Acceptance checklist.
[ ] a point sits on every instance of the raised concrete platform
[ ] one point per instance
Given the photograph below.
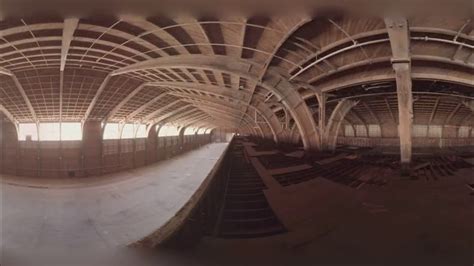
(46, 217)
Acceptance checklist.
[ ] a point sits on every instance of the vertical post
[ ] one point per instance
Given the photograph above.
(322, 97)
(405, 113)
(399, 35)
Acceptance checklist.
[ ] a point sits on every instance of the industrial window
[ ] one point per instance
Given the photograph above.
(71, 131)
(110, 147)
(435, 131)
(348, 131)
(464, 132)
(27, 131)
(420, 131)
(49, 131)
(208, 131)
(201, 131)
(126, 146)
(161, 142)
(128, 131)
(141, 131)
(166, 131)
(111, 131)
(189, 131)
(375, 131)
(361, 131)
(140, 144)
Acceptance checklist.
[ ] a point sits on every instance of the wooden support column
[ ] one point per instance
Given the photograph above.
(322, 97)
(399, 35)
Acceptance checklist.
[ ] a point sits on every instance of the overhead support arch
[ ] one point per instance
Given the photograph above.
(216, 112)
(217, 107)
(239, 97)
(144, 107)
(257, 106)
(70, 26)
(168, 115)
(8, 115)
(181, 115)
(288, 95)
(25, 97)
(96, 97)
(469, 104)
(6, 72)
(322, 98)
(160, 110)
(124, 101)
(294, 26)
(331, 131)
(193, 119)
(399, 35)
(272, 81)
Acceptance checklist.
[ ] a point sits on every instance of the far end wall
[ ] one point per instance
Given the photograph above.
(91, 156)
(423, 136)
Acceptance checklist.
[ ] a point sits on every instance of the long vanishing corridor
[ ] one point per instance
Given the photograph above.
(201, 133)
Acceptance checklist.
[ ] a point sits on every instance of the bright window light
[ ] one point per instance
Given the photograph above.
(27, 129)
(375, 131)
(166, 131)
(71, 131)
(435, 131)
(464, 131)
(360, 131)
(189, 131)
(201, 131)
(420, 131)
(128, 131)
(49, 132)
(141, 131)
(111, 131)
(349, 131)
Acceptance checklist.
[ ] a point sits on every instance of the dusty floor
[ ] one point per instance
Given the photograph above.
(53, 218)
(408, 222)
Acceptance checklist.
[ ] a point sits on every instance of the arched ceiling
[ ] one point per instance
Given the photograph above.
(154, 69)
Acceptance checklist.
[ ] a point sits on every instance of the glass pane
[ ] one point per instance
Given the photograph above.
(49, 131)
(166, 131)
(189, 131)
(348, 131)
(27, 129)
(141, 133)
(111, 131)
(71, 131)
(128, 131)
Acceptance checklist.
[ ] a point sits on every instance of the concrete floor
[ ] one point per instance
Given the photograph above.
(408, 222)
(56, 222)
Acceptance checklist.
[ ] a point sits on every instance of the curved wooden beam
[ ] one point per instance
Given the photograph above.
(273, 81)
(225, 108)
(334, 123)
(260, 108)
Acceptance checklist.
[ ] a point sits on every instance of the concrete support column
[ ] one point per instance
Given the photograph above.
(405, 113)
(92, 148)
(1, 143)
(399, 35)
